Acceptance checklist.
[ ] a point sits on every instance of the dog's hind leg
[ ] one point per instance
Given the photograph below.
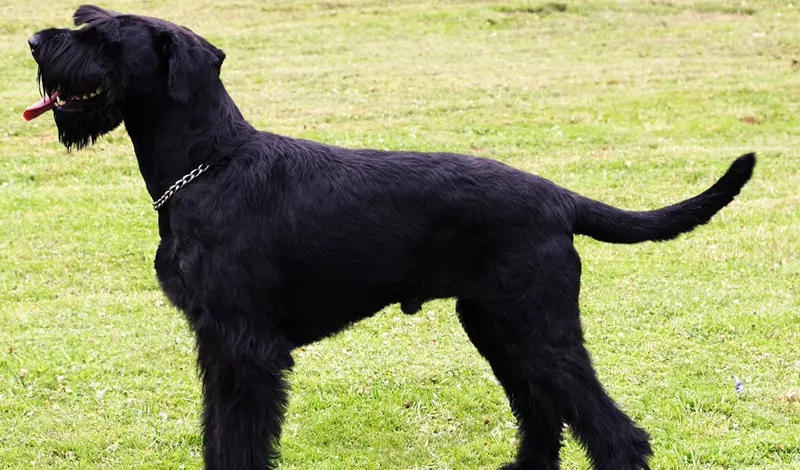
(540, 424)
(245, 395)
(525, 322)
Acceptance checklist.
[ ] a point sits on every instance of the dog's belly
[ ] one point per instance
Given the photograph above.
(313, 312)
(305, 306)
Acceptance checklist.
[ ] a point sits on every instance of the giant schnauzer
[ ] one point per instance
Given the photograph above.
(269, 242)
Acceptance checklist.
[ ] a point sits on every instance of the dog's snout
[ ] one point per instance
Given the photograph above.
(34, 42)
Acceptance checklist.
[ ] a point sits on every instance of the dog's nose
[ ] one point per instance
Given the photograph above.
(34, 42)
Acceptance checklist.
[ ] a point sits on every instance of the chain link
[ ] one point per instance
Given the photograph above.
(179, 184)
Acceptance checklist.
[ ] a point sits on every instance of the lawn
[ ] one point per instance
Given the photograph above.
(636, 103)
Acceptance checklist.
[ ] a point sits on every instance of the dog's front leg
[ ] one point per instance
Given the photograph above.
(245, 394)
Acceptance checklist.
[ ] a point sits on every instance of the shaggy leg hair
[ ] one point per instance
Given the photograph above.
(282, 242)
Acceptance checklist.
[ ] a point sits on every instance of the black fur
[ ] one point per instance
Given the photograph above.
(286, 241)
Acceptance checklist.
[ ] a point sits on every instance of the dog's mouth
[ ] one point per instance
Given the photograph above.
(64, 102)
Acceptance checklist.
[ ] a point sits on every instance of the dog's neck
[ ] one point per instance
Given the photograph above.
(171, 139)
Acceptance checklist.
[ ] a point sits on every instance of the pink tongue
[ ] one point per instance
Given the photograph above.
(40, 107)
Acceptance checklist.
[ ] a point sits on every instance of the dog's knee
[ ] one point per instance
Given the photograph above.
(411, 306)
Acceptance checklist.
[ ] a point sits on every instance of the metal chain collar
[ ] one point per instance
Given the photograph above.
(179, 184)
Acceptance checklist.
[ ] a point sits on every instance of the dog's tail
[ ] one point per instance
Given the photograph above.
(609, 224)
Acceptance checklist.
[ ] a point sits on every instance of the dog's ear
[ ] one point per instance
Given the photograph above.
(98, 20)
(191, 62)
(90, 13)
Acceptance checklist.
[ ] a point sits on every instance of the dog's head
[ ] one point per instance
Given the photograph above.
(89, 75)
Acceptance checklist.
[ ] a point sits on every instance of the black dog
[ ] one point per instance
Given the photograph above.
(269, 242)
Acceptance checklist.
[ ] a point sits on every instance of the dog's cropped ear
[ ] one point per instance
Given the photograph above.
(86, 14)
(191, 62)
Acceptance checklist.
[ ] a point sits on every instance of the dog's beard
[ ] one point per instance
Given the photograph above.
(75, 85)
(79, 128)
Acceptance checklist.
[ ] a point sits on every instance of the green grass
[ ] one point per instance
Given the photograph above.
(638, 104)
